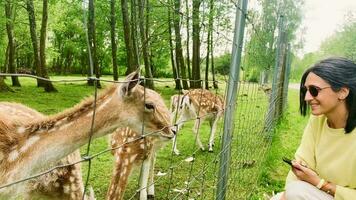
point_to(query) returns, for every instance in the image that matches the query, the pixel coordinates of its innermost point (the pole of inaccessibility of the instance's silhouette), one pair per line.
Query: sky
(322, 18)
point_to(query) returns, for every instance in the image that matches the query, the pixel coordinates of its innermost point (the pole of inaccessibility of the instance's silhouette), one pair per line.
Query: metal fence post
(274, 95)
(230, 100)
(286, 76)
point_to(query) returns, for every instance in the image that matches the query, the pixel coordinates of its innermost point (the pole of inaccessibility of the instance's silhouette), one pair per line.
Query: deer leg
(197, 136)
(177, 127)
(145, 170)
(151, 186)
(174, 144)
(120, 176)
(213, 125)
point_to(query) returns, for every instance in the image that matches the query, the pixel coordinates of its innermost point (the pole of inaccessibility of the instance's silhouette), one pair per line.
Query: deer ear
(130, 82)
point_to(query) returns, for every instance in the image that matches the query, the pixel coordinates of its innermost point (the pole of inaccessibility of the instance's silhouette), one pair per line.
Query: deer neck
(52, 138)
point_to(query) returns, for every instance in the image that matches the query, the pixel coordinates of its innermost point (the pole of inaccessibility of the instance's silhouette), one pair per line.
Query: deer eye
(149, 107)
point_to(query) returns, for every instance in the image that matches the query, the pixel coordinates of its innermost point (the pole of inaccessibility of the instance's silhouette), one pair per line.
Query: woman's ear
(343, 93)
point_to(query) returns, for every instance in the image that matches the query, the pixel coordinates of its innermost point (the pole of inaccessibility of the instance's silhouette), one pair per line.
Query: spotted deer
(132, 149)
(61, 183)
(198, 104)
(39, 143)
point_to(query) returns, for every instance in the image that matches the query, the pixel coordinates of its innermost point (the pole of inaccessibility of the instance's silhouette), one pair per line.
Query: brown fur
(64, 183)
(126, 144)
(38, 144)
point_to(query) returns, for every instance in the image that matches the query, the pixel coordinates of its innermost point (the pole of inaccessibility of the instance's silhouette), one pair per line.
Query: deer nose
(173, 129)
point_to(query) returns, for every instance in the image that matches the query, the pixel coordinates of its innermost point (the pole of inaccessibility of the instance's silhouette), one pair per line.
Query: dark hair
(338, 72)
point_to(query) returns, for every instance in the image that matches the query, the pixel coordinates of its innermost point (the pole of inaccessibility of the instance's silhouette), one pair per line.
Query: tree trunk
(113, 41)
(134, 32)
(48, 86)
(173, 61)
(196, 45)
(6, 63)
(36, 56)
(3, 86)
(215, 84)
(11, 45)
(188, 40)
(127, 37)
(92, 44)
(144, 42)
(179, 51)
(209, 43)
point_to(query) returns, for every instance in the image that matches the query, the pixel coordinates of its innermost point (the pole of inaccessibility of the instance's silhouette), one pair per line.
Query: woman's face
(326, 101)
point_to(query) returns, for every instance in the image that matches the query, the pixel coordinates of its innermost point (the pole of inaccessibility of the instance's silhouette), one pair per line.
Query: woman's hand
(305, 174)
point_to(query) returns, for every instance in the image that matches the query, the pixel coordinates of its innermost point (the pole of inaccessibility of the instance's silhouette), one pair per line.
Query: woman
(325, 162)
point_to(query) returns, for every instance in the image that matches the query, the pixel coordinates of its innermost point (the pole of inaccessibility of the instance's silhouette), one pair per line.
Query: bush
(222, 64)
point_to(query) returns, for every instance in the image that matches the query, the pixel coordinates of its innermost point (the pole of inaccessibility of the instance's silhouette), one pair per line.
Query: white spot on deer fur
(123, 172)
(132, 158)
(65, 126)
(21, 130)
(32, 140)
(60, 122)
(71, 179)
(13, 155)
(128, 150)
(90, 114)
(73, 187)
(104, 104)
(142, 146)
(130, 139)
(66, 189)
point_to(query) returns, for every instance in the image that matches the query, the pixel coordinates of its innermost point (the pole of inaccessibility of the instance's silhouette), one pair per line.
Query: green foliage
(341, 43)
(222, 64)
(300, 65)
(263, 27)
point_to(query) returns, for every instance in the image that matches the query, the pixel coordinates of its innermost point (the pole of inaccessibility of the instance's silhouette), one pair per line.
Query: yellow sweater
(331, 153)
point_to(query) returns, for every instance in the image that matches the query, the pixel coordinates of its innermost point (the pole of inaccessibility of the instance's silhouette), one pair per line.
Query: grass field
(286, 139)
(256, 168)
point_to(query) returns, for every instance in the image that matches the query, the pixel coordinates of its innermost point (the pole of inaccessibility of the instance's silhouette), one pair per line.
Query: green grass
(286, 139)
(249, 145)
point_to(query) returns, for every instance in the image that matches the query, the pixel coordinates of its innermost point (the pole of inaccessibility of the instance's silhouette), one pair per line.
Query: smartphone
(288, 161)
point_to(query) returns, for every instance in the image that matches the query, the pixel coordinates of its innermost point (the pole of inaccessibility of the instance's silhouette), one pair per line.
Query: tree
(181, 69)
(3, 86)
(209, 42)
(188, 38)
(11, 45)
(196, 45)
(113, 39)
(37, 59)
(145, 45)
(47, 85)
(178, 83)
(134, 32)
(261, 47)
(131, 66)
(93, 44)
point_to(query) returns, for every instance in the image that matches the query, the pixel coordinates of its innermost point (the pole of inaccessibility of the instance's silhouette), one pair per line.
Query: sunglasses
(313, 90)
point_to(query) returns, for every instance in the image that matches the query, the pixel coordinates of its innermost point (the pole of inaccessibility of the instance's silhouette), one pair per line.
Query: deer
(39, 143)
(130, 149)
(62, 183)
(198, 104)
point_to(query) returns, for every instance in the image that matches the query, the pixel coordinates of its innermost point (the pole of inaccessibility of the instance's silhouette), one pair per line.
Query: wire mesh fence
(193, 174)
